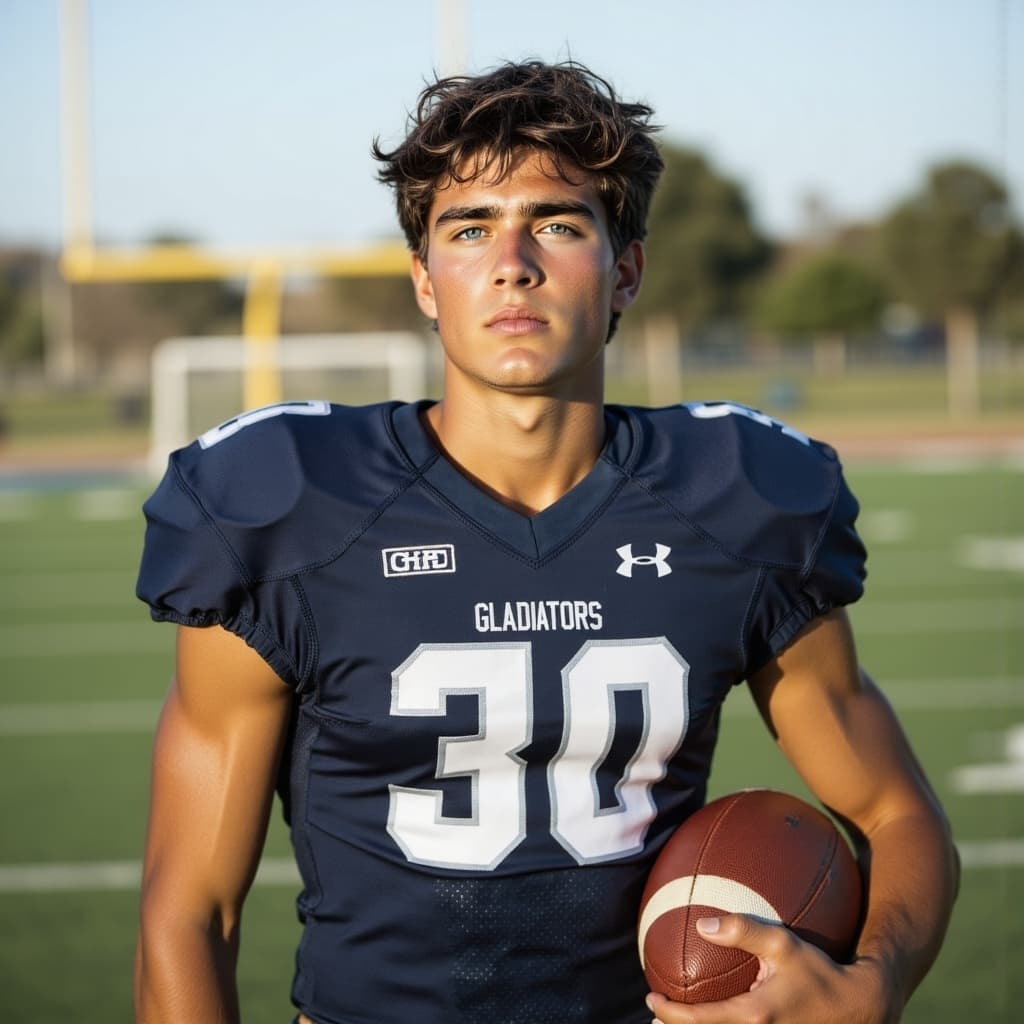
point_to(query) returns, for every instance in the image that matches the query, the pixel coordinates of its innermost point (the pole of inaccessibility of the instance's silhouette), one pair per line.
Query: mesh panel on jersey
(516, 942)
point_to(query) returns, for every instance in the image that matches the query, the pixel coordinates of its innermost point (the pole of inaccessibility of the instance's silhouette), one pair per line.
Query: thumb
(746, 932)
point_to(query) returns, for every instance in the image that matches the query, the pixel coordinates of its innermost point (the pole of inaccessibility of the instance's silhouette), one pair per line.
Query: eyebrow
(551, 208)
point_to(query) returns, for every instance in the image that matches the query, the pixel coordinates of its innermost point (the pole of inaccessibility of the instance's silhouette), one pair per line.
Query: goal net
(199, 382)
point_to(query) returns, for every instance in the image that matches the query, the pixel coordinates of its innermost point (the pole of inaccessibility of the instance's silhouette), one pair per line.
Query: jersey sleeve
(832, 577)
(189, 574)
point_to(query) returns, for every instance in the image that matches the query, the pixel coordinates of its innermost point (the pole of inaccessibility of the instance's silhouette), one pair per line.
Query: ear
(629, 270)
(422, 287)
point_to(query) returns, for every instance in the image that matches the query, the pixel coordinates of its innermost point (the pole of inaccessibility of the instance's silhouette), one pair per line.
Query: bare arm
(840, 734)
(215, 762)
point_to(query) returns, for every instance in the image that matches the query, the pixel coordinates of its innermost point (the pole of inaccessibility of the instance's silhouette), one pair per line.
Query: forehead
(531, 177)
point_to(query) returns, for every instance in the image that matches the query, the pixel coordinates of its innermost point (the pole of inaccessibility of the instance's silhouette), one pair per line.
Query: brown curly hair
(464, 127)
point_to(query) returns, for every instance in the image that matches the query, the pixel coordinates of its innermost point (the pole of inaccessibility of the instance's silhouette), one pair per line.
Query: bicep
(838, 730)
(215, 763)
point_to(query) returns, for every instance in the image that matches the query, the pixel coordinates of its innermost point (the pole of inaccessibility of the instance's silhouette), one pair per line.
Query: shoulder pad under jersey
(755, 487)
(288, 486)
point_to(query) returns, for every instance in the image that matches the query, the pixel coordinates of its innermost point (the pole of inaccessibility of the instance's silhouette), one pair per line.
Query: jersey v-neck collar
(533, 537)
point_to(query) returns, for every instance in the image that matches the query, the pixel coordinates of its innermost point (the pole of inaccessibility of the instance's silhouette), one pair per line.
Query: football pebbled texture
(758, 852)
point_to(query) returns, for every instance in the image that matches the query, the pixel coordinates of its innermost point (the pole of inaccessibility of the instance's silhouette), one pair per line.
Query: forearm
(185, 971)
(912, 874)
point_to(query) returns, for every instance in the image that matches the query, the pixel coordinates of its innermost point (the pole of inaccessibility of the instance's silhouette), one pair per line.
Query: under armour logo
(658, 559)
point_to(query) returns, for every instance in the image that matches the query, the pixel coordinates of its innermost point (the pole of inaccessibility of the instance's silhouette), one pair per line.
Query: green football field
(82, 672)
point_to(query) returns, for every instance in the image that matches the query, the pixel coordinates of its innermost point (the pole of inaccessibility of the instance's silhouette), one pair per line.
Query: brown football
(757, 852)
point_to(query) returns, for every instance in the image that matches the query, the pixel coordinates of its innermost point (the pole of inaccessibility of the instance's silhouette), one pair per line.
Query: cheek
(453, 285)
(590, 286)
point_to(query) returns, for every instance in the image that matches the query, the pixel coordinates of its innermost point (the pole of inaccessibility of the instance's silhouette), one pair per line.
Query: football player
(481, 645)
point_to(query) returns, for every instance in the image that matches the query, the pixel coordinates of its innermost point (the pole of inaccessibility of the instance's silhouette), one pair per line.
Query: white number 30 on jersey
(501, 676)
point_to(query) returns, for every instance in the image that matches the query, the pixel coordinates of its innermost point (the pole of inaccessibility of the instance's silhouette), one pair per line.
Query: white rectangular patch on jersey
(425, 560)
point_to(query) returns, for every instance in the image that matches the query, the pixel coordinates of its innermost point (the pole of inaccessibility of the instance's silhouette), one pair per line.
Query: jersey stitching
(710, 539)
(312, 894)
(309, 671)
(261, 630)
(350, 538)
(812, 558)
(470, 523)
(592, 517)
(748, 619)
(171, 615)
(211, 522)
(805, 610)
(396, 444)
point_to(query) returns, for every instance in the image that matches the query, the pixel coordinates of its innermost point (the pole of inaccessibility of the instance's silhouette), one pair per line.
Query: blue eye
(471, 234)
(559, 229)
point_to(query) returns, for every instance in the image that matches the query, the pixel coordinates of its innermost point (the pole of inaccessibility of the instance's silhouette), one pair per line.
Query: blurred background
(839, 225)
(190, 225)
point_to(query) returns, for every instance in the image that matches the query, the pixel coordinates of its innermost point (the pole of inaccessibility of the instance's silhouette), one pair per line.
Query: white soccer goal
(197, 382)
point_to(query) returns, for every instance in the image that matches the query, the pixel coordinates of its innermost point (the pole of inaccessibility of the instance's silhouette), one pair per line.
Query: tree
(704, 249)
(950, 250)
(1008, 315)
(703, 254)
(825, 298)
(21, 318)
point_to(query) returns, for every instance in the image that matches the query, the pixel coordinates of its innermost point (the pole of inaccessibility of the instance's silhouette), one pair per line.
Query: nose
(515, 261)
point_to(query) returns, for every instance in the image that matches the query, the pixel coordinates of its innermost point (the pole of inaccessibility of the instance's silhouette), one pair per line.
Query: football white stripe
(724, 894)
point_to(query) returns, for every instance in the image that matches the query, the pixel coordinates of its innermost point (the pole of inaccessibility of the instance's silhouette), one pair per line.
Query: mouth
(516, 320)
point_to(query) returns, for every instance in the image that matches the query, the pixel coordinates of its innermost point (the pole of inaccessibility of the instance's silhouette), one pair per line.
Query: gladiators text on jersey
(536, 616)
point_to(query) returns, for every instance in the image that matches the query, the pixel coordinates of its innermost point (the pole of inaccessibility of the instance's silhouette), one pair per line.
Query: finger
(667, 1012)
(727, 1011)
(764, 939)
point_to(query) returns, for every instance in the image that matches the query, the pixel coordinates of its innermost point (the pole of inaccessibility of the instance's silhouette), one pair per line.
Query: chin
(522, 374)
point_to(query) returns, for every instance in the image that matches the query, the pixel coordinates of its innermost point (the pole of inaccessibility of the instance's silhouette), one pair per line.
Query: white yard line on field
(92, 504)
(991, 853)
(107, 504)
(88, 876)
(1003, 554)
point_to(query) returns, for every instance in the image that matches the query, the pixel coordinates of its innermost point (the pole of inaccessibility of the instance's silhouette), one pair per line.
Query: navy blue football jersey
(499, 718)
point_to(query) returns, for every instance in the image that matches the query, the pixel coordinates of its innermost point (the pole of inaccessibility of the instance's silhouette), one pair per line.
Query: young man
(483, 643)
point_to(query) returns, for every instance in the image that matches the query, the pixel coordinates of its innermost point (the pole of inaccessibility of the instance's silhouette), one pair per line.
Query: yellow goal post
(263, 270)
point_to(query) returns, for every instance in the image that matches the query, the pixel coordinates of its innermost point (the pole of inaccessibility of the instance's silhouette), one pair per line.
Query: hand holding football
(756, 852)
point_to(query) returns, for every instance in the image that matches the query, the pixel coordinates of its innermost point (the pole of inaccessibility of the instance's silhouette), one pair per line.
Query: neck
(526, 451)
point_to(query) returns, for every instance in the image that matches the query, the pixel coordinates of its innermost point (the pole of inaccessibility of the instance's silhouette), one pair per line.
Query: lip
(516, 320)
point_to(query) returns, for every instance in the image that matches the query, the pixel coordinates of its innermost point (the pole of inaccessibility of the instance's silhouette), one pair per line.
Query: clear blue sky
(247, 121)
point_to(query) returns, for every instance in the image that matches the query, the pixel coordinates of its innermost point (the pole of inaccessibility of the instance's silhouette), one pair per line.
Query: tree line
(950, 255)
